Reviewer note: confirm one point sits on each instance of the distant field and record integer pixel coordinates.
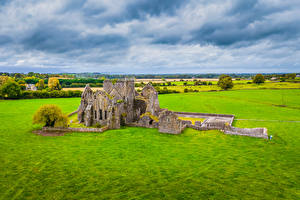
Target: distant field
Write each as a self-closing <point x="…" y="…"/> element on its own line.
<point x="238" y="85"/>
<point x="173" y="80"/>
<point x="267" y="85"/>
<point x="141" y="163"/>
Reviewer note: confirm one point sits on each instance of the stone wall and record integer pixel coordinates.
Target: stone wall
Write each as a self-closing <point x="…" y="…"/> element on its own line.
<point x="69" y="129"/>
<point x="252" y="132"/>
<point x="169" y="123"/>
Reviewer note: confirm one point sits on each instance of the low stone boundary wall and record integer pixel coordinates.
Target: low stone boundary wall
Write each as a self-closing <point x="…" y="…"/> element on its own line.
<point x="201" y="128"/>
<point x="204" y="114"/>
<point x="69" y="129"/>
<point x="252" y="132"/>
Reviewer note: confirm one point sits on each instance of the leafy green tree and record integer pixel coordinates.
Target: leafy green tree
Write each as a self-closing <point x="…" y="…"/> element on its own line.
<point x="290" y="76"/>
<point x="51" y="116"/>
<point x="22" y="84"/>
<point x="41" y="84"/>
<point x="19" y="75"/>
<point x="53" y="84"/>
<point x="225" y="82"/>
<point x="258" y="78"/>
<point x="4" y="79"/>
<point x="11" y="89"/>
<point x="30" y="74"/>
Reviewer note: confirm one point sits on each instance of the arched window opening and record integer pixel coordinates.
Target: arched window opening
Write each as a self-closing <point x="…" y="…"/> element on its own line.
<point x="100" y="116"/>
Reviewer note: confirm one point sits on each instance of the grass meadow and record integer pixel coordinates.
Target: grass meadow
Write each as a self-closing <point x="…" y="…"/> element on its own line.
<point x="140" y="163"/>
<point x="238" y="85"/>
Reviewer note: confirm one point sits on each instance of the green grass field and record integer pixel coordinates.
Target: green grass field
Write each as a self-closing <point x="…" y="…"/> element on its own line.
<point x="140" y="163"/>
<point x="238" y="85"/>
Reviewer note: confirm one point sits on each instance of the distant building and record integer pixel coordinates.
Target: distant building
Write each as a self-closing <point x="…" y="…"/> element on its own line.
<point x="274" y="78"/>
<point x="31" y="87"/>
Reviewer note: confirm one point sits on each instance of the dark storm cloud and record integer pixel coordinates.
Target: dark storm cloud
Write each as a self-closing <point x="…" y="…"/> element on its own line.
<point x="53" y="39"/>
<point x="249" y="21"/>
<point x="163" y="35"/>
<point x="154" y="7"/>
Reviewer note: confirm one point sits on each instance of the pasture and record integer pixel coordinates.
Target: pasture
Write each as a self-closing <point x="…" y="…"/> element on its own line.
<point x="140" y="163"/>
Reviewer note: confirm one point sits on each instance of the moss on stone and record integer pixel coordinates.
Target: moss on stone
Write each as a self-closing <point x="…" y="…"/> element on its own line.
<point x="150" y="115"/>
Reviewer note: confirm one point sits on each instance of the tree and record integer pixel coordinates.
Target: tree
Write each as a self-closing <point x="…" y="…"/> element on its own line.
<point x="290" y="76"/>
<point x="258" y="78"/>
<point x="53" y="84"/>
<point x="30" y="74"/>
<point x="22" y="84"/>
<point x="4" y="79"/>
<point x="19" y="75"/>
<point x="50" y="115"/>
<point x="225" y="82"/>
<point x="11" y="89"/>
<point x="41" y="84"/>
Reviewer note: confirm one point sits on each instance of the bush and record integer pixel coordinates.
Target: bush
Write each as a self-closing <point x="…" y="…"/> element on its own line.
<point x="165" y="90"/>
<point x="11" y="90"/>
<point x="259" y="78"/>
<point x="225" y="82"/>
<point x="185" y="90"/>
<point x="50" y="94"/>
<point x="51" y="116"/>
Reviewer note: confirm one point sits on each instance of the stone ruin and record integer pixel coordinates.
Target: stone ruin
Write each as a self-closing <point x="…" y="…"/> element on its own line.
<point x="119" y="104"/>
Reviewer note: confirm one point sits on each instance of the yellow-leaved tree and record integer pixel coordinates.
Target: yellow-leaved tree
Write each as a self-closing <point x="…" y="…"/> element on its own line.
<point x="53" y="84"/>
<point x="51" y="116"/>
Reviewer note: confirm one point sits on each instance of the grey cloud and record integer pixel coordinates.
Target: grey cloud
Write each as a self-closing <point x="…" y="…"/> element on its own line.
<point x="165" y="35"/>
<point x="50" y="38"/>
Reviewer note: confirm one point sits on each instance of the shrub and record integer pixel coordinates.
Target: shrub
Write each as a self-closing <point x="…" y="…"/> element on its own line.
<point x="11" y="90"/>
<point x="259" y="78"/>
<point x="225" y="82"/>
<point x="50" y="115"/>
<point x="185" y="90"/>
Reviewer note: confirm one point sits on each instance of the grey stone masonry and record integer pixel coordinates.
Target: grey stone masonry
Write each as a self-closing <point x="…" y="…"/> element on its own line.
<point x="251" y="132"/>
<point x="69" y="129"/>
<point x="120" y="104"/>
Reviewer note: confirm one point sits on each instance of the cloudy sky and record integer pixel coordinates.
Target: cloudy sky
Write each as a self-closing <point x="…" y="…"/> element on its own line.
<point x="150" y="36"/>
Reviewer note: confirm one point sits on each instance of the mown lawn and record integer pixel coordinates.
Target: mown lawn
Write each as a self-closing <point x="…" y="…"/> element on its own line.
<point x="139" y="163"/>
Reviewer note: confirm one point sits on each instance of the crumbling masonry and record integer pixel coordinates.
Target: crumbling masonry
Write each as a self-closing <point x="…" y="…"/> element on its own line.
<point x="119" y="104"/>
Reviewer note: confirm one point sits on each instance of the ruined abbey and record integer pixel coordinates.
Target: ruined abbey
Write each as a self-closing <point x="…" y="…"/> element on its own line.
<point x="119" y="104"/>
